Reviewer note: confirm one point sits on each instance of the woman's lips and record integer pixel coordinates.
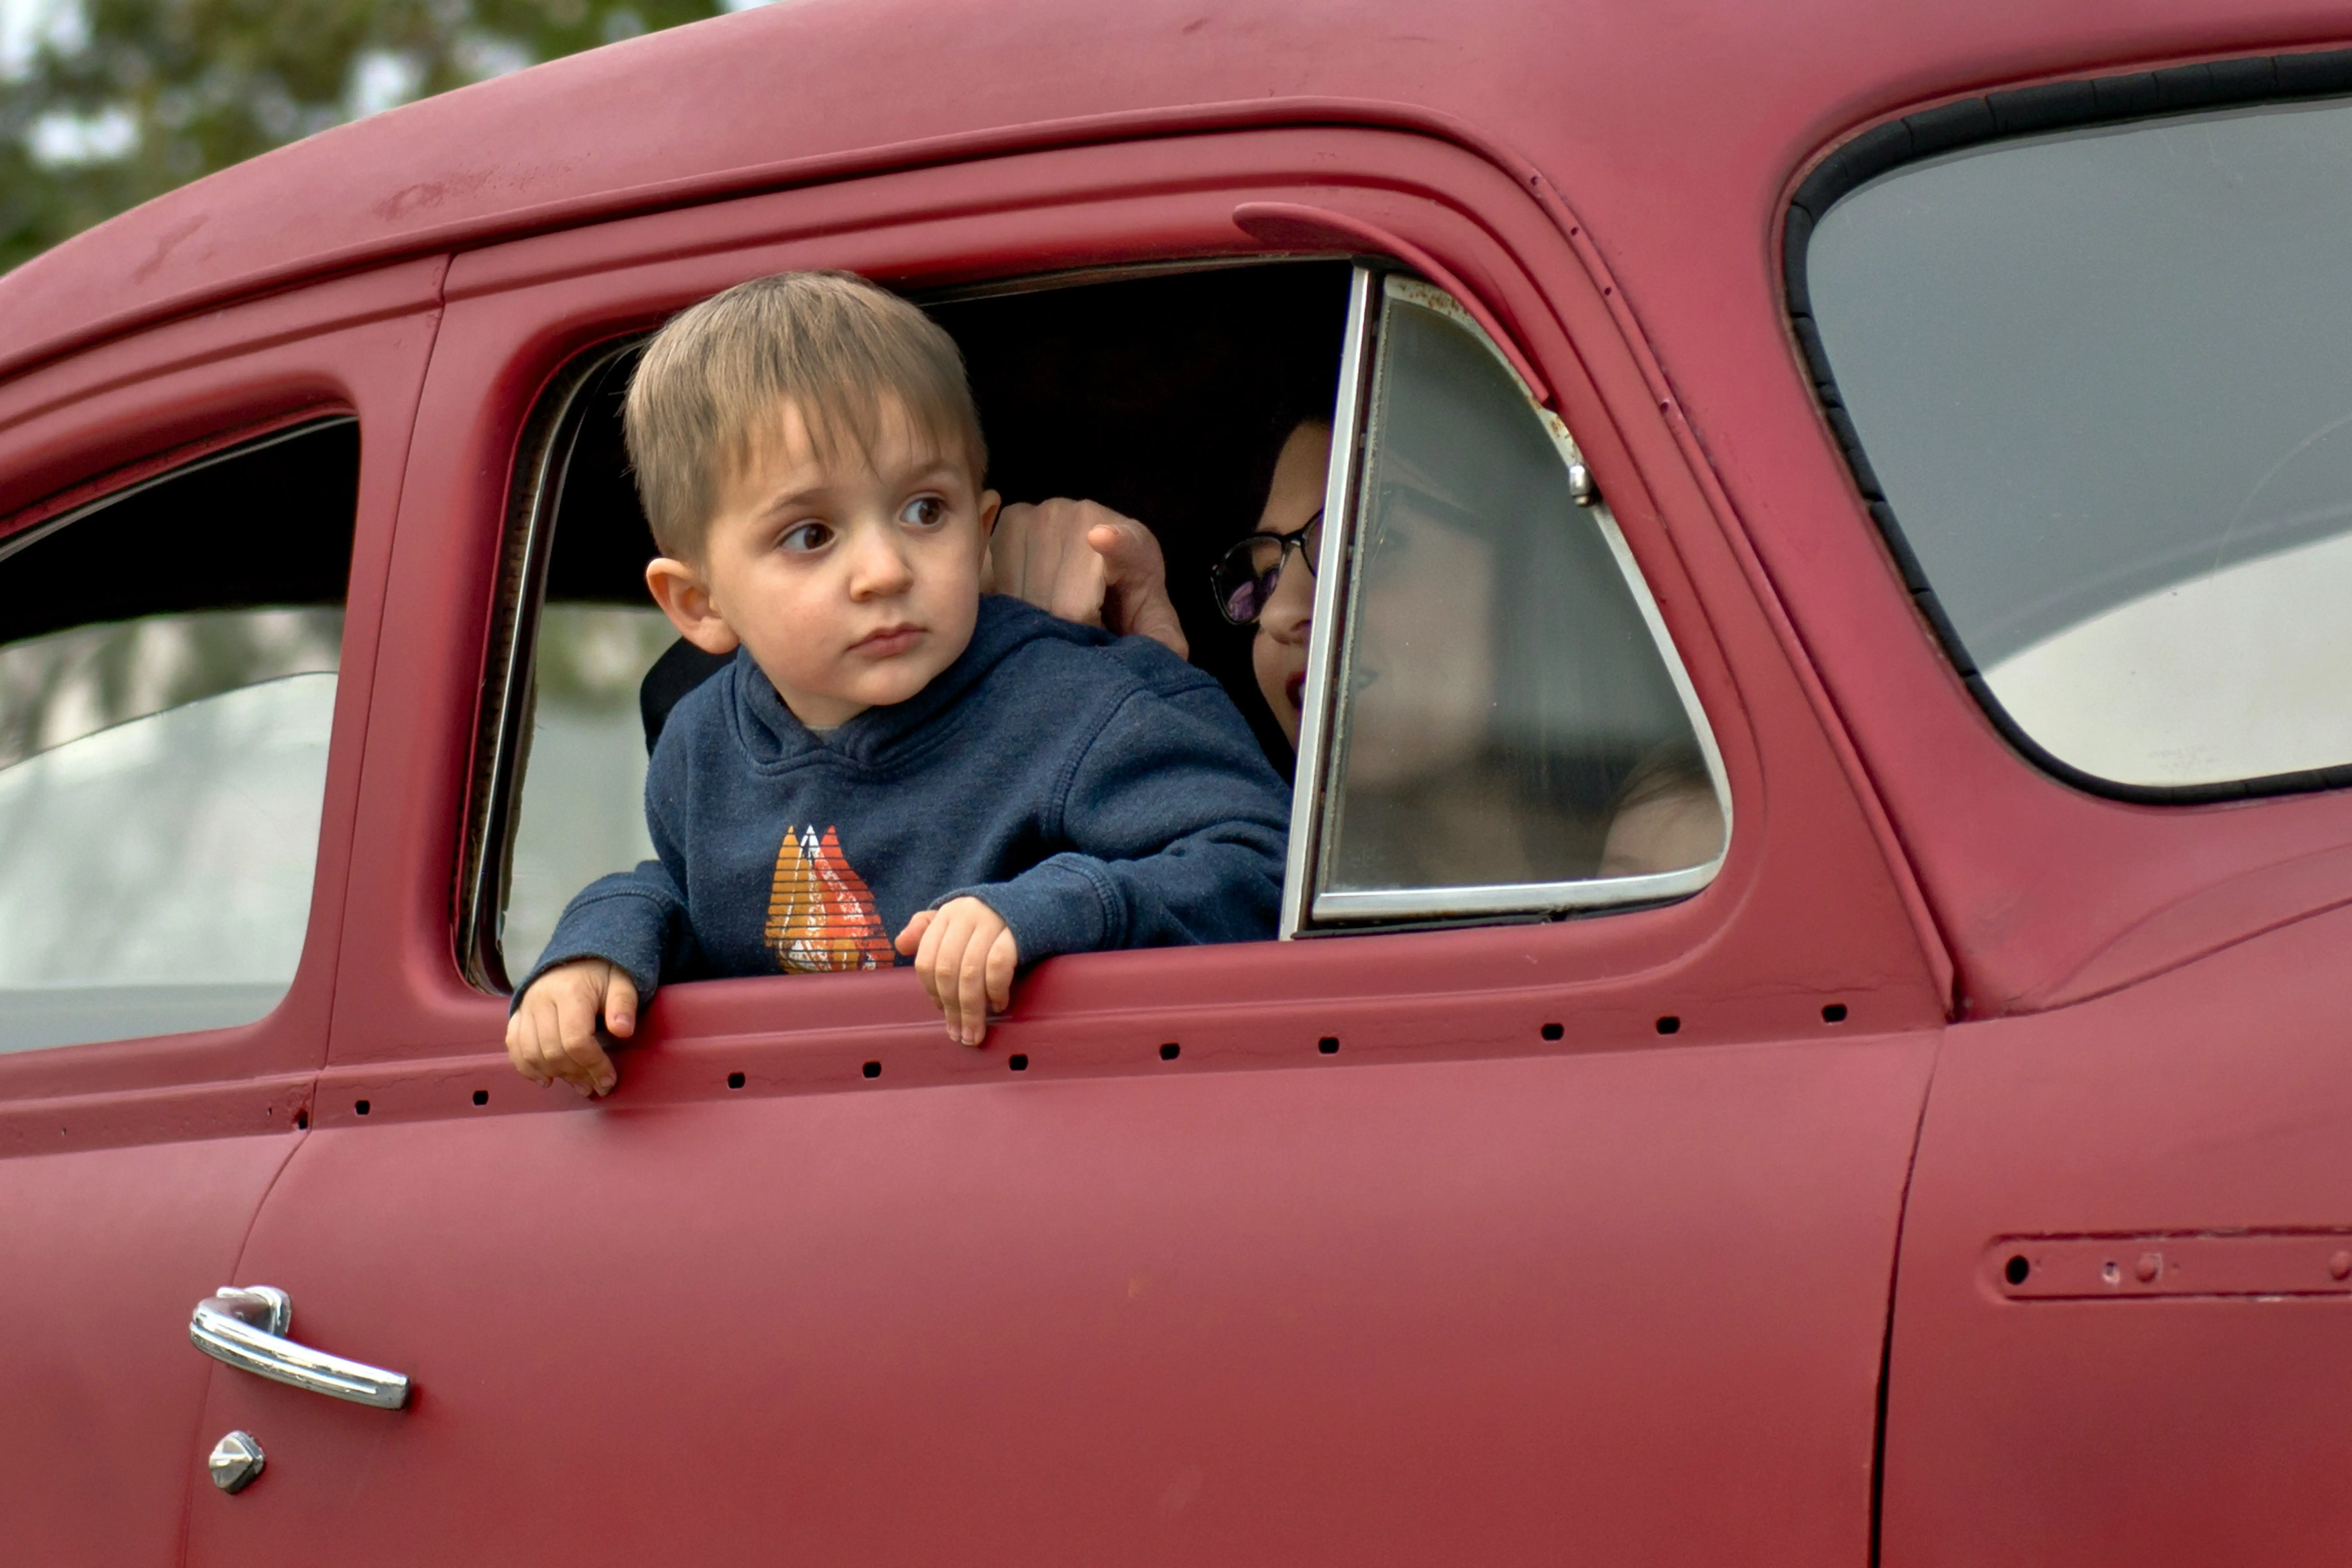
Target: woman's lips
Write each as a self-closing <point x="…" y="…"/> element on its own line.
<point x="889" y="640"/>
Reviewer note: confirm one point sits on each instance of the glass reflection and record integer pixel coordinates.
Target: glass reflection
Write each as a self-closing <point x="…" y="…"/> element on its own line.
<point x="160" y="784"/>
<point x="1505" y="716"/>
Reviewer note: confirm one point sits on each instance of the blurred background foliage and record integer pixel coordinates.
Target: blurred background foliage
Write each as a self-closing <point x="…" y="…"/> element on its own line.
<point x="104" y="103"/>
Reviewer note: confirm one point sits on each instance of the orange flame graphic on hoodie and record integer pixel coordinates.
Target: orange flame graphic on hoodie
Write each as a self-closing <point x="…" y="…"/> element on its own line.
<point x="821" y="914"/>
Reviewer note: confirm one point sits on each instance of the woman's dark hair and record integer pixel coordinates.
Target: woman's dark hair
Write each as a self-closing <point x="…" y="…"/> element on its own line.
<point x="1307" y="403"/>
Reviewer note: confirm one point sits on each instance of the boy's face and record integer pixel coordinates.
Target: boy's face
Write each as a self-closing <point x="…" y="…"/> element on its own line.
<point x="853" y="582"/>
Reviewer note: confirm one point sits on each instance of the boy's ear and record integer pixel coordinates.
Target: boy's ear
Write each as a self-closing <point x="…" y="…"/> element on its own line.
<point x="990" y="503"/>
<point x="685" y="599"/>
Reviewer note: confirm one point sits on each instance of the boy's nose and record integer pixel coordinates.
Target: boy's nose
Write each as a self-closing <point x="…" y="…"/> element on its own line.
<point x="877" y="566"/>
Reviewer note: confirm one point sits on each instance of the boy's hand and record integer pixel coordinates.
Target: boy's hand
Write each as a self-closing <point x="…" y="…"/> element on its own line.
<point x="554" y="1034"/>
<point x="966" y="956"/>
<point x="1082" y="561"/>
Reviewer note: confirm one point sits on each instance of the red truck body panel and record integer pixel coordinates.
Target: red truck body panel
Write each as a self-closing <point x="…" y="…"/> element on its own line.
<point x="1583" y="1243"/>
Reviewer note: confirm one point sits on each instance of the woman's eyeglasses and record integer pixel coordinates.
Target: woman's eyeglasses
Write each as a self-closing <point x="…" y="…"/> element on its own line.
<point x="1244" y="577"/>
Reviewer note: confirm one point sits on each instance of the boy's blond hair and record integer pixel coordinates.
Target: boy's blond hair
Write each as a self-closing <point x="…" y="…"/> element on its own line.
<point x="711" y="382"/>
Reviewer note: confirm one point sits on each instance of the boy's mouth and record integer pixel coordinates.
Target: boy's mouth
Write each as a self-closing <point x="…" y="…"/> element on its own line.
<point x="885" y="641"/>
<point x="1294" y="688"/>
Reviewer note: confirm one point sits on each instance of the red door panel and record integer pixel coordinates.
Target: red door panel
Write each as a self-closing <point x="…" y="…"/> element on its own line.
<point x="2203" y="1413"/>
<point x="1608" y="1308"/>
<point x="130" y="1170"/>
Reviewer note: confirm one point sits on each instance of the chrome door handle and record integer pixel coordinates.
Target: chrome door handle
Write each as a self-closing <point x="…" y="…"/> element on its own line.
<point x="246" y="1327"/>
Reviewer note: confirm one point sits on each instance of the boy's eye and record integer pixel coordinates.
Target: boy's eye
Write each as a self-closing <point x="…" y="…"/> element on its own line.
<point x="803" y="537"/>
<point x="924" y="511"/>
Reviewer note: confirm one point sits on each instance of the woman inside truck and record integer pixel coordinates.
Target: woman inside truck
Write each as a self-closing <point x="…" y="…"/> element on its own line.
<point x="1417" y="747"/>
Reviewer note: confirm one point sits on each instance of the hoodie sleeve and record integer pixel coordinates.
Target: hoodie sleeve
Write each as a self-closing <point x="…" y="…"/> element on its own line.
<point x="635" y="919"/>
<point x="1178" y="829"/>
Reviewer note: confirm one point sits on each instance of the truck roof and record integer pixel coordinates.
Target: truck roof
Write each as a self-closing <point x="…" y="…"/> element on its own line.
<point x="1662" y="125"/>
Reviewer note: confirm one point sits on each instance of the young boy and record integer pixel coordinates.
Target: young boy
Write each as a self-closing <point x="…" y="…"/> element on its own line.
<point x="893" y="765"/>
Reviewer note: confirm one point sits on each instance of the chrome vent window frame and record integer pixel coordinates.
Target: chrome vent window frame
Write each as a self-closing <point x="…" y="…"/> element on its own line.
<point x="1309" y="910"/>
<point x="1339" y="489"/>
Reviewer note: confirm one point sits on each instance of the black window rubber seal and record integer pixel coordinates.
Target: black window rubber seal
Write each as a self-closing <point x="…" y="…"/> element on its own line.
<point x="1996" y="116"/>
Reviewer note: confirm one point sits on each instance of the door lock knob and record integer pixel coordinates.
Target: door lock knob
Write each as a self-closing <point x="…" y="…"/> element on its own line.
<point x="235" y="1460"/>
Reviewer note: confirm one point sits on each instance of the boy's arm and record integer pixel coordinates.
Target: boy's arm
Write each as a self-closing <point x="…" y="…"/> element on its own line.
<point x="634" y="920"/>
<point x="1179" y="829"/>
<point x="611" y="948"/>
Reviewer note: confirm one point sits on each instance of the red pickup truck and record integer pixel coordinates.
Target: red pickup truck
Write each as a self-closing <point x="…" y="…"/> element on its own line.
<point x="1914" y="422"/>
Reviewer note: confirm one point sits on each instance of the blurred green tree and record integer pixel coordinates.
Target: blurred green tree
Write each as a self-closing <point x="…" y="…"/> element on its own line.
<point x="117" y="100"/>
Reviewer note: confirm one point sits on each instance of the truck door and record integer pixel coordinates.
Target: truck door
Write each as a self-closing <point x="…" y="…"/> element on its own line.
<point x="1509" y="1209"/>
<point x="190" y="577"/>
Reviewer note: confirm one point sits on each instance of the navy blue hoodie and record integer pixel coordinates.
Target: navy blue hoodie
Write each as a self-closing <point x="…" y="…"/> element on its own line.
<point x="1095" y="791"/>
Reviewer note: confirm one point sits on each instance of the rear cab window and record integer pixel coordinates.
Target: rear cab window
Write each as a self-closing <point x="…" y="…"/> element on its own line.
<point x="2094" y="380"/>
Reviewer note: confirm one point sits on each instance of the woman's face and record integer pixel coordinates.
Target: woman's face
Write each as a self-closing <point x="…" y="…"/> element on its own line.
<point x="1279" y="655"/>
